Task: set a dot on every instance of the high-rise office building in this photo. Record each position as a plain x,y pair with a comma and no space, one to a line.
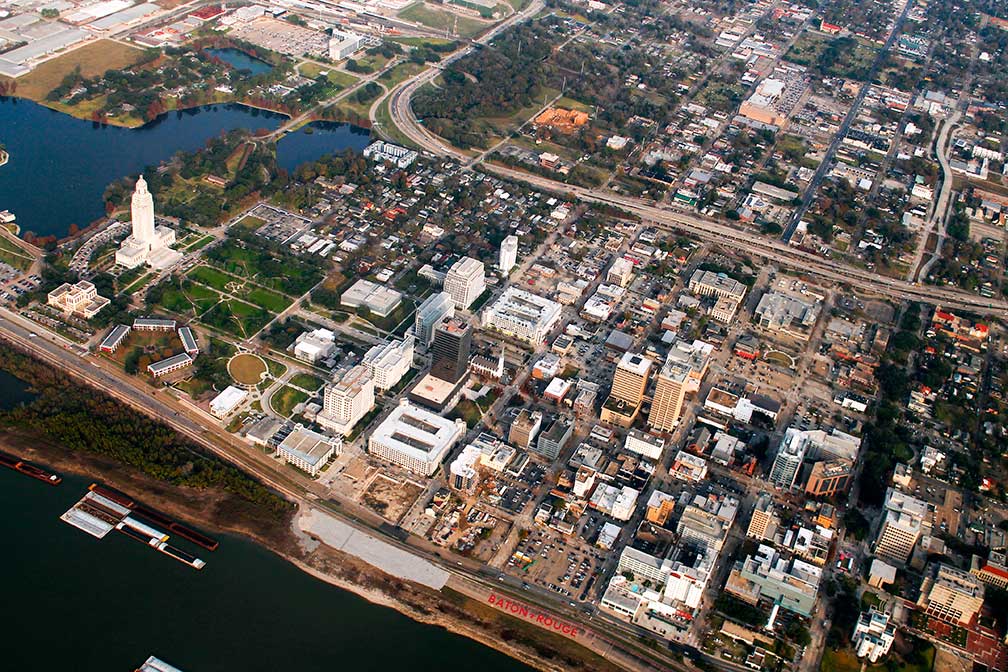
431,311
902,526
347,400
629,383
465,281
524,428
681,374
451,348
508,254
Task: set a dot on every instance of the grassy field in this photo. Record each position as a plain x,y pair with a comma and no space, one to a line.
422,41
237,318
400,73
371,63
441,20
839,661
15,256
191,299
211,277
271,301
200,244
140,282
285,399
306,381
571,104
250,223
92,59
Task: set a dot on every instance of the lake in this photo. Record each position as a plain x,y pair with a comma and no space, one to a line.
59,166
239,60
78,603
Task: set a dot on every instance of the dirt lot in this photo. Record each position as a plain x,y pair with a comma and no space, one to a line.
390,498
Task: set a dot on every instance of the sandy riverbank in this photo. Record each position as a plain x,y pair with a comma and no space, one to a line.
216,511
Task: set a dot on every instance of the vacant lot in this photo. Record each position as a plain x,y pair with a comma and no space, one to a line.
92,59
442,20
390,498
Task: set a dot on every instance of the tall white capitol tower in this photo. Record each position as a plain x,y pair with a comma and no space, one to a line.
147,244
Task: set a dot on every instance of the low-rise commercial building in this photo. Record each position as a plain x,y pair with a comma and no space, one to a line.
307,450
224,403
170,364
376,298
314,346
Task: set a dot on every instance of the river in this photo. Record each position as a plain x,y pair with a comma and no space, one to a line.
74,602
59,165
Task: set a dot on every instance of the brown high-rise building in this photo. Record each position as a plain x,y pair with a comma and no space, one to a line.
451,348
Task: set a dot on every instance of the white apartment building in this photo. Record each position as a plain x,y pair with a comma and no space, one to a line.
415,439
465,281
388,362
522,315
347,400
508,256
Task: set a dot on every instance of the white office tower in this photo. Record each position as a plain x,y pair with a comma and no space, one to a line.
465,281
347,400
508,254
388,362
429,314
147,243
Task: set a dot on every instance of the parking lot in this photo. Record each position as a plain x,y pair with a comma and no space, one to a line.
566,566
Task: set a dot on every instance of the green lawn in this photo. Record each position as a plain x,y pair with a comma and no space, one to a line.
400,73
285,399
191,298
211,277
237,317
839,661
137,284
306,381
269,300
200,244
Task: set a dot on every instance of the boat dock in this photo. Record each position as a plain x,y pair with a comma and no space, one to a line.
95,514
100,511
156,517
153,664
